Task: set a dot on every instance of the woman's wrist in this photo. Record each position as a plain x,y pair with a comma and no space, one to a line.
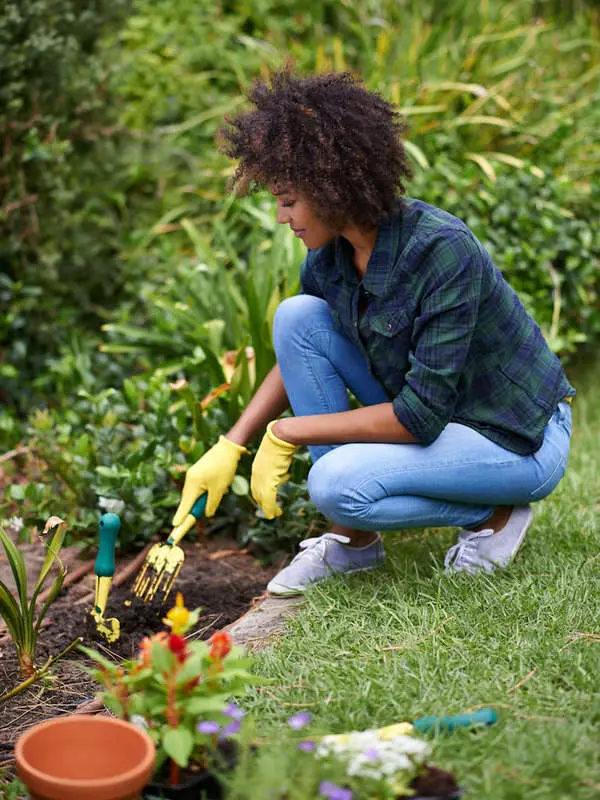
281,429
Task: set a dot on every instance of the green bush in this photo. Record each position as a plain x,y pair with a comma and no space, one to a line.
60,207
542,236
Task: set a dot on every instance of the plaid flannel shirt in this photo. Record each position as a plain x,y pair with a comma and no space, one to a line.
442,330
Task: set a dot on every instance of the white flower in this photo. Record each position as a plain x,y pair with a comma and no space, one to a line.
396,751
139,722
16,523
111,505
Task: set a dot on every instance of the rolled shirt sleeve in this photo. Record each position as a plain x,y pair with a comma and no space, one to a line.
441,334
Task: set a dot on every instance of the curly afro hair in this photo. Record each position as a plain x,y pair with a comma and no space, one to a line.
329,138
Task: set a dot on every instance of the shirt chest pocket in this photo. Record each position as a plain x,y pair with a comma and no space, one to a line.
389,322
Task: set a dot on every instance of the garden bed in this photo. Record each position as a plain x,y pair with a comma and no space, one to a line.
217,576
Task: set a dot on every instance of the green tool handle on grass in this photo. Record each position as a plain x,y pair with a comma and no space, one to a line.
196,511
485,716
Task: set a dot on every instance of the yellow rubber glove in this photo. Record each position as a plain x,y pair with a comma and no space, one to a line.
270,469
213,474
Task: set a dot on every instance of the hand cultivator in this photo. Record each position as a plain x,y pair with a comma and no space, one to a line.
104,569
163,562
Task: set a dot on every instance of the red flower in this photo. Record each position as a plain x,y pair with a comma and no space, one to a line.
220,645
177,645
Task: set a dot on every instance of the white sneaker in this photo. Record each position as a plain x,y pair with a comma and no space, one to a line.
320,558
485,550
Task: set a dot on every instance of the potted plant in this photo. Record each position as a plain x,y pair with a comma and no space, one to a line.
180,692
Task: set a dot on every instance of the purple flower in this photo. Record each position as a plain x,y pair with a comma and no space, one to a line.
230,729
334,792
299,721
208,727
234,711
372,754
307,745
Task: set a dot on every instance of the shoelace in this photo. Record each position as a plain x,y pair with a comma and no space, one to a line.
463,551
316,547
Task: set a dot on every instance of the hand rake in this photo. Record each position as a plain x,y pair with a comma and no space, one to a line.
163,562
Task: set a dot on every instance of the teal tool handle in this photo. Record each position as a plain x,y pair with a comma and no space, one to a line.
198,508
485,716
104,566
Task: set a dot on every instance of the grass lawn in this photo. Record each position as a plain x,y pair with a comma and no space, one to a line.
407,641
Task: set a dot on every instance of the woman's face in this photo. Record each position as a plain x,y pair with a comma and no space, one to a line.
295,210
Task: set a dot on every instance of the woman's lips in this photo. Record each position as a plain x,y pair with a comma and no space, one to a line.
299,232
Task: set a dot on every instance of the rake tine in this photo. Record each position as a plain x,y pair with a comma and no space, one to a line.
170,581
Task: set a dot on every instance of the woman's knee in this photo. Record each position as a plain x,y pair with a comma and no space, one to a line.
332,485
295,314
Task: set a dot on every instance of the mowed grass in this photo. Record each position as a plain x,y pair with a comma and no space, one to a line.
406,641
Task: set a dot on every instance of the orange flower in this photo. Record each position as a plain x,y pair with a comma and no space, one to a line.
146,644
220,645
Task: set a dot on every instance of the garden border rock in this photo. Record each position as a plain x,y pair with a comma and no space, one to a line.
264,621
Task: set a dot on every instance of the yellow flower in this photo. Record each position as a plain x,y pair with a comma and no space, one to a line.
391,731
178,617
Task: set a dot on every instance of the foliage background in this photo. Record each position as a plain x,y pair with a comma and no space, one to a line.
126,269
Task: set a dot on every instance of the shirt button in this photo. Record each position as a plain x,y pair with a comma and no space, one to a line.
389,326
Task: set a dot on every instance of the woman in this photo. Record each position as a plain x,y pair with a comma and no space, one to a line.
464,417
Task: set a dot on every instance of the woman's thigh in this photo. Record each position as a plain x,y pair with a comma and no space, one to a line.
460,466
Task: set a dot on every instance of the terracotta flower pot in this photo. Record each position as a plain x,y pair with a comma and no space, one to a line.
76,757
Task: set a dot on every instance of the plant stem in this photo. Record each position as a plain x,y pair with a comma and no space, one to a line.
40,672
173,773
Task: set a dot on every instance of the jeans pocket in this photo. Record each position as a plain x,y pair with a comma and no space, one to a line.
551,481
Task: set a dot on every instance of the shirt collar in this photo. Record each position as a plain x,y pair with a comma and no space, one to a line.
380,263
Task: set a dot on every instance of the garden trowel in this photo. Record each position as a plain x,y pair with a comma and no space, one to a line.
104,569
163,562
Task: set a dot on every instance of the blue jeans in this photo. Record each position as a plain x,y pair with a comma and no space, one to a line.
455,481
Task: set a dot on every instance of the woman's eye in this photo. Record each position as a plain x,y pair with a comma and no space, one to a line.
287,203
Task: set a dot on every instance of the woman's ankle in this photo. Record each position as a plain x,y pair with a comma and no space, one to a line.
497,521
357,537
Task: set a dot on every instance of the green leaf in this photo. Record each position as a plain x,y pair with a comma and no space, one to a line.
17,566
240,486
16,491
11,614
178,744
99,659
213,702
161,659
113,705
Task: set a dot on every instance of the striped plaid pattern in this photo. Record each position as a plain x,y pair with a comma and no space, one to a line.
442,330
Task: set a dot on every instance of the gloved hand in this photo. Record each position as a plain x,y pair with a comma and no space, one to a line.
213,474
270,469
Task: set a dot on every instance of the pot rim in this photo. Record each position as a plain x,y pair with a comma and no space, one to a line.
144,764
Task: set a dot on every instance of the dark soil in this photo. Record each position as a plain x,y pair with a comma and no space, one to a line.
435,782
224,587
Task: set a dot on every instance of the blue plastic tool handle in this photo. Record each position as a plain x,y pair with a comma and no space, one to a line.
198,508
485,716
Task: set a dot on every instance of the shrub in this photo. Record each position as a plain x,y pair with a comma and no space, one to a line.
60,207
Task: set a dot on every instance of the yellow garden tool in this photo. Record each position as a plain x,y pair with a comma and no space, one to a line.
164,561
104,569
